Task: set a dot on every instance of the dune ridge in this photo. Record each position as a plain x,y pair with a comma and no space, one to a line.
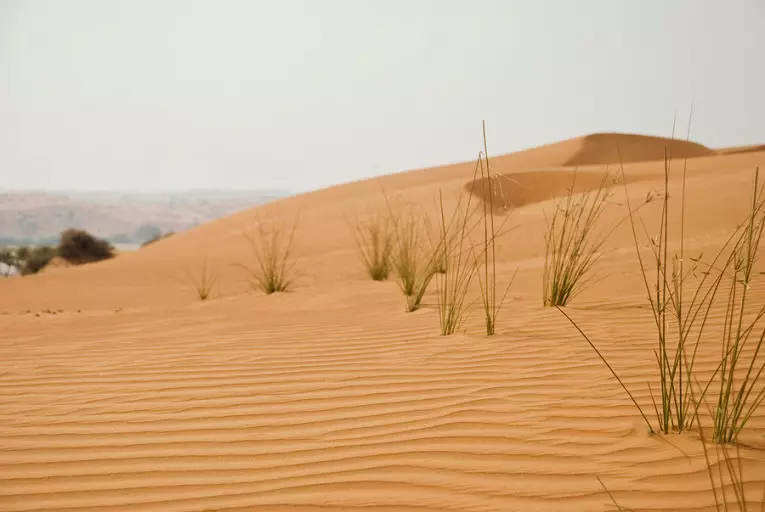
130,394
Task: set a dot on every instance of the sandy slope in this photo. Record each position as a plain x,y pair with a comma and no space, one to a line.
126,393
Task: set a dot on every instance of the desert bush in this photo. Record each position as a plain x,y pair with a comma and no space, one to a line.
273,269
8,260
374,240
78,246
571,244
36,259
26,260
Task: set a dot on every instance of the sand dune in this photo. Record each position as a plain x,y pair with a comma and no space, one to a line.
120,391
742,149
606,151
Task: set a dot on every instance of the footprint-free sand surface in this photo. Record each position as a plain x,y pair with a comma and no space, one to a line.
119,390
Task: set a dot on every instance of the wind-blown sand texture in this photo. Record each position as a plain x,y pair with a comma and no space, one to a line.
119,390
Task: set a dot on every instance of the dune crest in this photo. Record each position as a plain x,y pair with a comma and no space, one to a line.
606,148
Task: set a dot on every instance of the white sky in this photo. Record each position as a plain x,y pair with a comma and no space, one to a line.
160,95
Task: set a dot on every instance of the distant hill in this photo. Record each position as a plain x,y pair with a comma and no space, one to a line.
39,217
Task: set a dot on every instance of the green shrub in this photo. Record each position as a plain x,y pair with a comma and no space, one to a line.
78,246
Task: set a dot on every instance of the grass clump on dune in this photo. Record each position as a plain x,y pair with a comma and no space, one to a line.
682,292
460,267
671,308
375,242
571,243
411,262
459,259
273,267
204,281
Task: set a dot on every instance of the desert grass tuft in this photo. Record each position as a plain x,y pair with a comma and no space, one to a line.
374,240
204,281
571,244
681,292
273,269
460,268
411,261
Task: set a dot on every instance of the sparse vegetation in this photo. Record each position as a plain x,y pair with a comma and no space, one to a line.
412,263
486,259
78,247
571,244
37,259
460,270
204,280
740,395
374,240
26,260
681,316
273,269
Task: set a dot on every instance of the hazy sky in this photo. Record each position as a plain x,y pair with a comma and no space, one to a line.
157,95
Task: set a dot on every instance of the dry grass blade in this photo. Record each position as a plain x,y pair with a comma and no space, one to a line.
610,368
374,240
611,496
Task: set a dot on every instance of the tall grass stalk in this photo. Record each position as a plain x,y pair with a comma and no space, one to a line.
687,315
679,318
571,244
460,269
375,241
740,395
274,264
486,260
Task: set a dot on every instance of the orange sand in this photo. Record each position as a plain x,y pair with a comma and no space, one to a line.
120,391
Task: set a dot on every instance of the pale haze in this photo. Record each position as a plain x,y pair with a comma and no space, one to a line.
297,95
